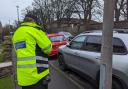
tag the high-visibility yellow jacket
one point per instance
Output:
(32, 47)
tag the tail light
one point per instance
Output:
(55, 46)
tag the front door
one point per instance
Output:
(73, 51)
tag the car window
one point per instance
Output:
(118, 46)
(77, 43)
(93, 43)
(57, 38)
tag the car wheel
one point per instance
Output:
(116, 84)
(61, 62)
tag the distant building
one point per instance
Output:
(72, 25)
(64, 22)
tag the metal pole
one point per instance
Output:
(14, 64)
(106, 55)
(18, 13)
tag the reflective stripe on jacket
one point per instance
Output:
(32, 65)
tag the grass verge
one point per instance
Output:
(6, 83)
(1, 57)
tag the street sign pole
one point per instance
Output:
(106, 55)
(18, 13)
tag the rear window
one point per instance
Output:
(57, 38)
(93, 43)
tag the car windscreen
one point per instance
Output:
(57, 38)
(66, 34)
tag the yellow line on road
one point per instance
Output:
(74, 82)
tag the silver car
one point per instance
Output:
(83, 53)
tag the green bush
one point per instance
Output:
(1, 57)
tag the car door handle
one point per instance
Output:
(77, 54)
(98, 58)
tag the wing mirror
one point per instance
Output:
(68, 45)
(70, 38)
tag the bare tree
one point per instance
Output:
(119, 4)
(88, 8)
(121, 10)
(127, 9)
(50, 10)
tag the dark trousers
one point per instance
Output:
(38, 85)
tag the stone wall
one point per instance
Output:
(76, 29)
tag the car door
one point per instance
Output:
(73, 50)
(90, 56)
(119, 55)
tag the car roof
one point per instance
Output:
(63, 32)
(55, 34)
(122, 36)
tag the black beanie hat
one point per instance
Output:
(31, 16)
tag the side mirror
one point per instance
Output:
(70, 38)
(68, 45)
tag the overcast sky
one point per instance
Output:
(8, 9)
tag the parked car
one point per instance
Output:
(83, 55)
(57, 40)
(67, 35)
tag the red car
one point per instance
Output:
(57, 40)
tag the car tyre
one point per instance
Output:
(62, 64)
(116, 84)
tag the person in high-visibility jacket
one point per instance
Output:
(32, 48)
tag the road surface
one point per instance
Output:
(60, 81)
(71, 76)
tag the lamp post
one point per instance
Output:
(106, 62)
(18, 13)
